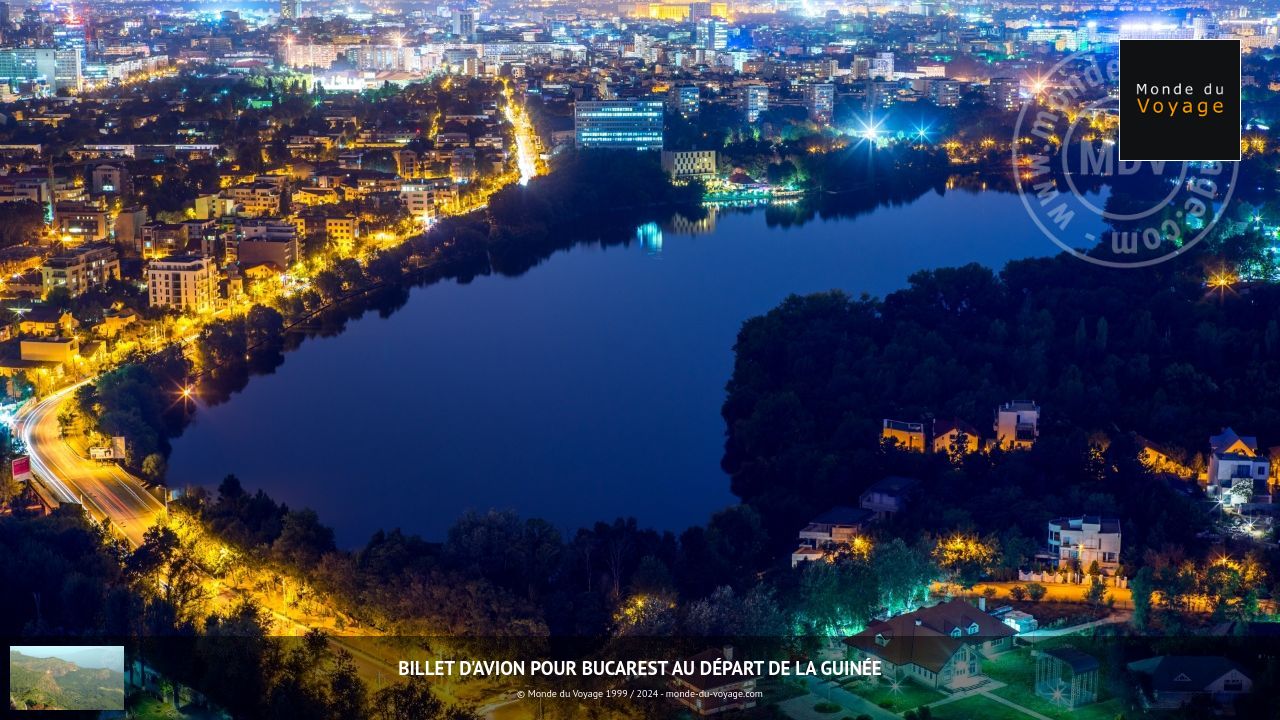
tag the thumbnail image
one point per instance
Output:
(66, 677)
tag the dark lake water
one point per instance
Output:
(588, 388)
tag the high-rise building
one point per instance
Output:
(712, 34)
(700, 10)
(755, 100)
(290, 9)
(37, 67)
(618, 124)
(820, 101)
(464, 24)
(882, 65)
(1003, 92)
(69, 69)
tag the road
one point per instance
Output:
(122, 503)
(112, 496)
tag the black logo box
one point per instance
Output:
(1181, 137)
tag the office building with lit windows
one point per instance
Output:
(618, 124)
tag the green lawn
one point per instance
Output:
(909, 695)
(977, 707)
(1017, 670)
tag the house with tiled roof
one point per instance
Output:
(940, 647)
(1237, 471)
(1171, 681)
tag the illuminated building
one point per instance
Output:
(618, 124)
(690, 164)
(1003, 92)
(1017, 425)
(342, 231)
(110, 180)
(290, 9)
(907, 435)
(755, 100)
(34, 67)
(463, 23)
(944, 92)
(81, 221)
(684, 100)
(69, 69)
(264, 241)
(1079, 542)
(79, 270)
(882, 65)
(679, 12)
(820, 101)
(713, 34)
(183, 282)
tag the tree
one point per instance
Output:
(1097, 593)
(1141, 587)
(412, 700)
(903, 575)
(837, 598)
(348, 695)
(9, 488)
(966, 557)
(1036, 591)
(20, 222)
(154, 467)
(303, 540)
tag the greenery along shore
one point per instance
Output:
(1107, 354)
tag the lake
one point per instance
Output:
(586, 389)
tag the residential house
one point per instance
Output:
(1017, 425)
(955, 435)
(907, 435)
(114, 322)
(839, 526)
(1237, 471)
(888, 495)
(1171, 681)
(47, 321)
(49, 350)
(710, 694)
(940, 647)
(1085, 540)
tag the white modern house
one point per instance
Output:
(839, 526)
(1017, 425)
(1237, 471)
(1086, 539)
